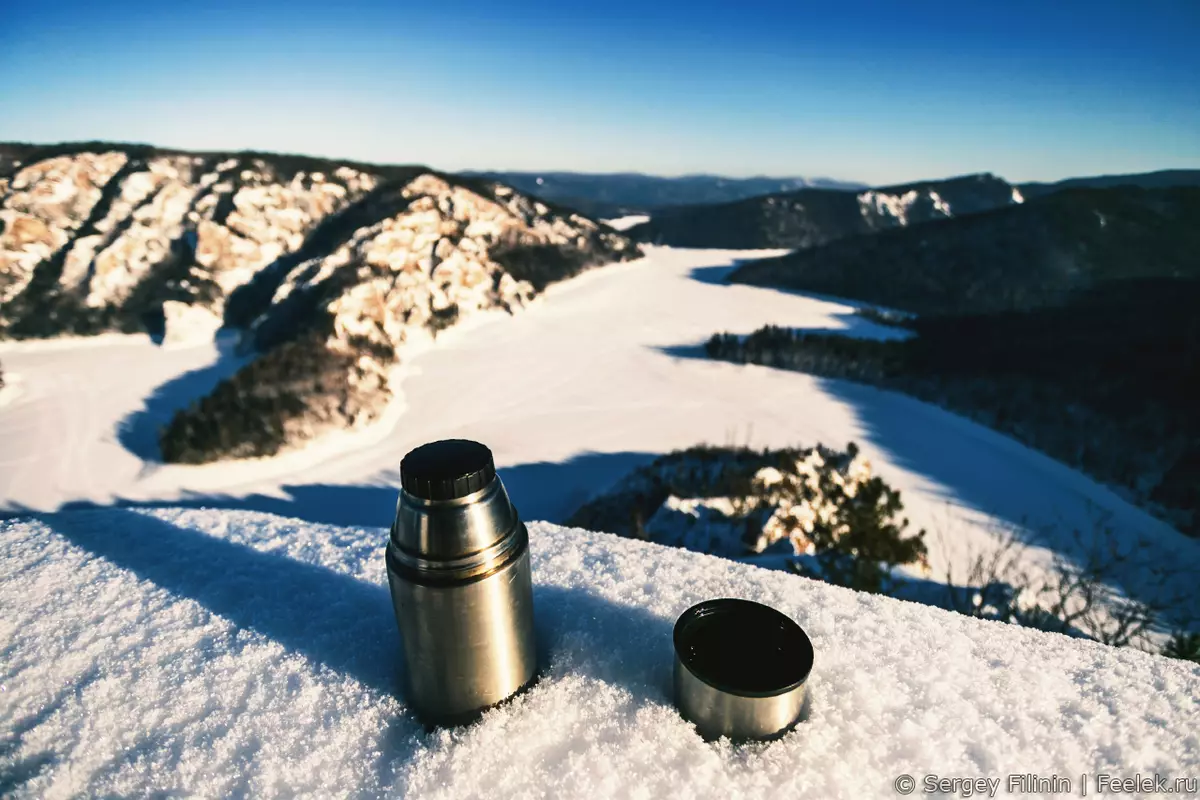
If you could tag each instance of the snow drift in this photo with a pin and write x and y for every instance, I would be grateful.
(236, 653)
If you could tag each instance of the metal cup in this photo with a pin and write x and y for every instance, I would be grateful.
(459, 572)
(741, 669)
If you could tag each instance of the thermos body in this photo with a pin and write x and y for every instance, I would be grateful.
(459, 572)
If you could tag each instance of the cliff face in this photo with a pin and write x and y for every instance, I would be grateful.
(326, 267)
(131, 239)
(812, 217)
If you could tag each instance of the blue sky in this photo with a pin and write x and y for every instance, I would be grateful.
(878, 92)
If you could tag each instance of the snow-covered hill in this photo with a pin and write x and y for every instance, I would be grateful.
(212, 654)
(810, 217)
(327, 267)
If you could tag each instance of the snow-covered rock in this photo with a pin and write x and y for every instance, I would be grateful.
(342, 264)
(883, 210)
(409, 260)
(116, 233)
(187, 323)
(626, 222)
(210, 654)
(43, 205)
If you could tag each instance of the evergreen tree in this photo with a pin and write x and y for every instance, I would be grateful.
(1183, 645)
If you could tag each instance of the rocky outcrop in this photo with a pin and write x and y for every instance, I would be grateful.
(812, 217)
(326, 267)
(100, 239)
(411, 258)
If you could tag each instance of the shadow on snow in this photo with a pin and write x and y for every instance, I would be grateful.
(345, 624)
(541, 490)
(138, 431)
(1032, 502)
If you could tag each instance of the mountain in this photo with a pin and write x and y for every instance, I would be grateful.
(621, 194)
(326, 267)
(1146, 180)
(1019, 257)
(811, 217)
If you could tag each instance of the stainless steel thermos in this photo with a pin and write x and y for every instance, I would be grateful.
(458, 568)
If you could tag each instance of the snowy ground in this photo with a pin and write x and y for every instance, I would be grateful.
(625, 223)
(214, 654)
(603, 373)
(11, 389)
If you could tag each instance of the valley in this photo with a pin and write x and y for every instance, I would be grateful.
(598, 376)
(289, 369)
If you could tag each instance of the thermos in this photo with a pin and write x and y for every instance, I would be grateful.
(458, 568)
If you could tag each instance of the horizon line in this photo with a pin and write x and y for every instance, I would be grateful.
(118, 143)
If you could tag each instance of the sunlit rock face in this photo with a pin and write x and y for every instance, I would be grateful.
(95, 241)
(327, 269)
(409, 260)
(44, 205)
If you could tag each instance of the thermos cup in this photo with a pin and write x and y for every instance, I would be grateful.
(458, 568)
(741, 669)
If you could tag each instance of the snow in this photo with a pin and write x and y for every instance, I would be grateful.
(597, 376)
(188, 325)
(234, 652)
(880, 204)
(626, 222)
(939, 205)
(11, 390)
(209, 653)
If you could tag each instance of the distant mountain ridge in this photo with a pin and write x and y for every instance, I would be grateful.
(626, 193)
(812, 217)
(1018, 257)
(1161, 179)
(326, 267)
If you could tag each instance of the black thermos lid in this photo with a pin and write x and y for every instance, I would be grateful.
(447, 470)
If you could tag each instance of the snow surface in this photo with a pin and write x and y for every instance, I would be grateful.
(11, 389)
(599, 375)
(226, 653)
(627, 222)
